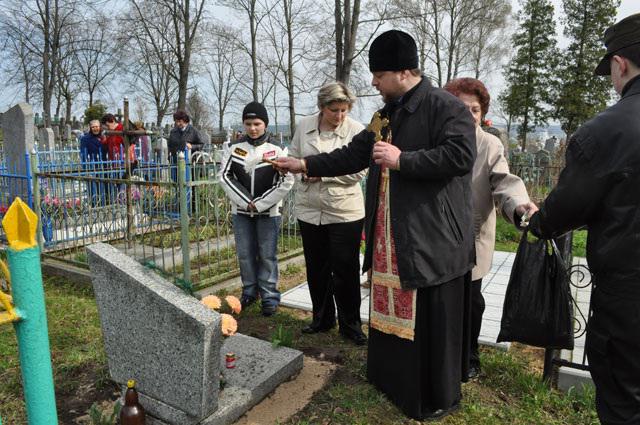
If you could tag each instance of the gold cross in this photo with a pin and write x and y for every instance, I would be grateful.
(376, 125)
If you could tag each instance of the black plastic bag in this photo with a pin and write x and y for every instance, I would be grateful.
(538, 307)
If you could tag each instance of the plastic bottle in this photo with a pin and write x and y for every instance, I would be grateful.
(132, 413)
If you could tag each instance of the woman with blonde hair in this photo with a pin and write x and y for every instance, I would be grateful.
(330, 212)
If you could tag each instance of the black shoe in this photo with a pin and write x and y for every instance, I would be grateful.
(474, 372)
(246, 301)
(310, 329)
(357, 338)
(270, 310)
(441, 413)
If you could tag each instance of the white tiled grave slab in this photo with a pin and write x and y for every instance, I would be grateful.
(494, 287)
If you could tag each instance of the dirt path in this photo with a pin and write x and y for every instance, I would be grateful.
(291, 396)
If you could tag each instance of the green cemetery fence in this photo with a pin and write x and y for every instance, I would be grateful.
(180, 228)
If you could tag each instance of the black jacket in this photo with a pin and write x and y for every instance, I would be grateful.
(430, 196)
(600, 188)
(178, 140)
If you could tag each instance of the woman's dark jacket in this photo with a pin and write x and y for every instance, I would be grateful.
(430, 196)
(178, 140)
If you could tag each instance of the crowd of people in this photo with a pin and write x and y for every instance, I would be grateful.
(434, 183)
(435, 178)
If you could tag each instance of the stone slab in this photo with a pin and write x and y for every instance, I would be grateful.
(156, 334)
(573, 378)
(260, 368)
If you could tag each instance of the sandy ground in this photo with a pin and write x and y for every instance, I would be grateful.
(290, 397)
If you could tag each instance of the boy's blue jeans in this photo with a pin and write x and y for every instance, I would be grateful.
(257, 245)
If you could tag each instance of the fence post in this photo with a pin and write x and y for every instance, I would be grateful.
(36, 197)
(184, 220)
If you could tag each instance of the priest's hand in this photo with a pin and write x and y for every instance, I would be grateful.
(290, 164)
(386, 154)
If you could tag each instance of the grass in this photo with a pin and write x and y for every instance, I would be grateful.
(76, 350)
(510, 390)
(508, 237)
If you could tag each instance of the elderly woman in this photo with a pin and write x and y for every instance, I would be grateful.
(492, 184)
(330, 212)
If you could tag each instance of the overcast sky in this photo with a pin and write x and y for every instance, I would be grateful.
(495, 84)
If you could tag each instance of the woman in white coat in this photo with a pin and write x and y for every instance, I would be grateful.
(492, 184)
(330, 212)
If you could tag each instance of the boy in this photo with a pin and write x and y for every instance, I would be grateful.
(256, 190)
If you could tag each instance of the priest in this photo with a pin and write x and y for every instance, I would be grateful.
(420, 149)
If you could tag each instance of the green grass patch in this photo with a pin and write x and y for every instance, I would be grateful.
(76, 348)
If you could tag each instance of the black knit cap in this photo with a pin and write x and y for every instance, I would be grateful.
(618, 36)
(393, 51)
(255, 110)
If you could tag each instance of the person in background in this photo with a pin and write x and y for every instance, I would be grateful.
(598, 188)
(183, 136)
(91, 142)
(112, 143)
(91, 152)
(330, 212)
(491, 184)
(143, 142)
(256, 190)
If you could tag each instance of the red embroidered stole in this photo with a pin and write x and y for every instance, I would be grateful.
(393, 309)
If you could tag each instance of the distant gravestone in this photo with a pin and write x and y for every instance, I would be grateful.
(206, 137)
(67, 132)
(172, 346)
(17, 127)
(47, 140)
(550, 144)
(56, 132)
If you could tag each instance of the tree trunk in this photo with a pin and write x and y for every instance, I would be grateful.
(290, 92)
(339, 33)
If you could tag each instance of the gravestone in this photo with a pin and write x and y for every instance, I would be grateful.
(47, 140)
(56, 132)
(172, 346)
(206, 138)
(550, 144)
(17, 127)
(67, 132)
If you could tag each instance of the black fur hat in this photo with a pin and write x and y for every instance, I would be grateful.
(393, 51)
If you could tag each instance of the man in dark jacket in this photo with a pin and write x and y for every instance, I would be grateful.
(599, 188)
(91, 142)
(420, 151)
(183, 136)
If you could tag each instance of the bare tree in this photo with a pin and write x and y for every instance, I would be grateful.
(453, 36)
(14, 50)
(288, 31)
(255, 12)
(40, 26)
(199, 111)
(180, 37)
(347, 21)
(225, 69)
(152, 66)
(68, 84)
(97, 53)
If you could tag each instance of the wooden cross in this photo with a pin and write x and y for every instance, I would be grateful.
(376, 125)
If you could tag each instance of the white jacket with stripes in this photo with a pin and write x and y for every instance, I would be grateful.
(246, 178)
